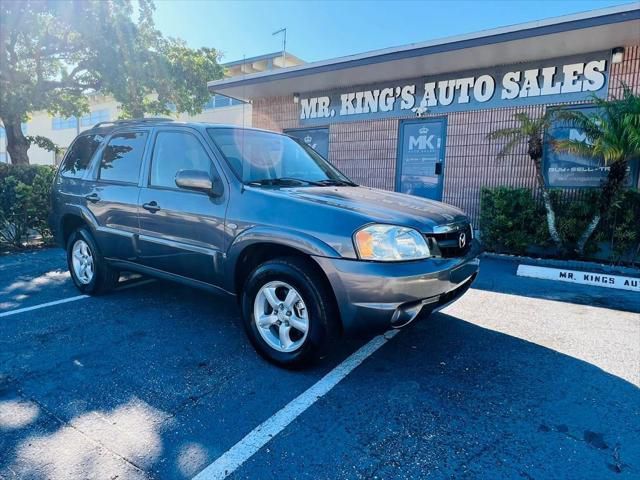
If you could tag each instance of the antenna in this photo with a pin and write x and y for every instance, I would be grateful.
(284, 45)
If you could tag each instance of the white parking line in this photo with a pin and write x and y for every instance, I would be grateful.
(42, 305)
(67, 300)
(233, 458)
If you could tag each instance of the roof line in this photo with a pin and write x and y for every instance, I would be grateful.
(256, 58)
(577, 21)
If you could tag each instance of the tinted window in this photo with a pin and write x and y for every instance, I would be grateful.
(175, 151)
(79, 156)
(122, 157)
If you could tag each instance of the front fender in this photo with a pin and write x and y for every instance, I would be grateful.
(300, 241)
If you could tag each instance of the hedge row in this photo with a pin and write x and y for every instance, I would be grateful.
(513, 221)
(24, 204)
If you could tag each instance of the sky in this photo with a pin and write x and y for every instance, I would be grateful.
(319, 30)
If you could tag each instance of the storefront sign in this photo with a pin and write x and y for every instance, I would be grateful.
(568, 170)
(564, 80)
(575, 276)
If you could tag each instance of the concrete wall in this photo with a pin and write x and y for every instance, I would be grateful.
(366, 150)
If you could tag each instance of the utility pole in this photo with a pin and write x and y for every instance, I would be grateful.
(284, 45)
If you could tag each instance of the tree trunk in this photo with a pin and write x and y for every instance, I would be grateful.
(17, 144)
(548, 206)
(586, 235)
(610, 190)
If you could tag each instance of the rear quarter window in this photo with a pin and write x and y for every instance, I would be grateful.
(79, 156)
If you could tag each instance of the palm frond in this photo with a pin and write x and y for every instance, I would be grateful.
(508, 147)
(589, 124)
(575, 147)
(505, 133)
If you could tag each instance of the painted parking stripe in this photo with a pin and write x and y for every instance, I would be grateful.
(233, 458)
(69, 299)
(43, 305)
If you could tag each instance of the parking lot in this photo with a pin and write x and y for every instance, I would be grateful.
(521, 378)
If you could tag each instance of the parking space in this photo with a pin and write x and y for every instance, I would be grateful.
(522, 378)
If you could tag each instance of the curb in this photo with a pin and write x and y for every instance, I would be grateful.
(587, 267)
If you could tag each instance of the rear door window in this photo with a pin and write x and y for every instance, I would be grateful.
(77, 160)
(122, 157)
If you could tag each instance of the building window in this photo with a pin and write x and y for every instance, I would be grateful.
(59, 123)
(220, 101)
(97, 116)
(567, 170)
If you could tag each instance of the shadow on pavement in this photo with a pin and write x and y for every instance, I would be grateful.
(157, 380)
(160, 380)
(448, 399)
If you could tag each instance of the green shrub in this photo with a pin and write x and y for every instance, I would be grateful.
(24, 203)
(620, 229)
(511, 221)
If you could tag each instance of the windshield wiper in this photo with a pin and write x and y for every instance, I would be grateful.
(336, 182)
(281, 181)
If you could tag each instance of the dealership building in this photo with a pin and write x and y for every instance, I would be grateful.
(415, 118)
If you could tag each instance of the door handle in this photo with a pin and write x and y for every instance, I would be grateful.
(153, 207)
(93, 197)
(438, 168)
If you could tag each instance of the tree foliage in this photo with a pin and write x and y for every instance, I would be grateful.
(52, 53)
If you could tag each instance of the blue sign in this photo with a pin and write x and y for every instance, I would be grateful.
(568, 79)
(316, 138)
(567, 170)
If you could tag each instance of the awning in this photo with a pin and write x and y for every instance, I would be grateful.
(593, 31)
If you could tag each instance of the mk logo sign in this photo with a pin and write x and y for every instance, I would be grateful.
(424, 141)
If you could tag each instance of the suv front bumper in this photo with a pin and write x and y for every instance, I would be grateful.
(377, 295)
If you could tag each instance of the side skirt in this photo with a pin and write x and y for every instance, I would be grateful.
(152, 272)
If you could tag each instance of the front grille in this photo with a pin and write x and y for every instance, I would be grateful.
(447, 245)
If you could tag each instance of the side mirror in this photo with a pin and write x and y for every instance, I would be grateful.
(200, 181)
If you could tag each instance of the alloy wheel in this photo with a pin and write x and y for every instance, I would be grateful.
(281, 316)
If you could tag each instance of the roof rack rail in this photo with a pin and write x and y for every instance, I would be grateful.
(133, 120)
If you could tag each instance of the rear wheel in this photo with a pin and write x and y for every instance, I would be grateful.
(288, 311)
(89, 271)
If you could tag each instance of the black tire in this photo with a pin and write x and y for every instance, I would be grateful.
(303, 276)
(105, 278)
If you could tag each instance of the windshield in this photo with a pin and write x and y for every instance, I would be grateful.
(271, 159)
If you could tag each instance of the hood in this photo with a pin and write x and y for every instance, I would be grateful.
(382, 206)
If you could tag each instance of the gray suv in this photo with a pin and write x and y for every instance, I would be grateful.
(262, 217)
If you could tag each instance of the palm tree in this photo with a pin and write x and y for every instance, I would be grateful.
(531, 130)
(612, 133)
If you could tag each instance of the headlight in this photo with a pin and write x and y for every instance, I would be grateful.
(388, 243)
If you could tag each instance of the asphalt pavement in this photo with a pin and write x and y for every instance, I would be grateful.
(521, 378)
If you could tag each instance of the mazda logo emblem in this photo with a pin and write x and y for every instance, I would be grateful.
(462, 240)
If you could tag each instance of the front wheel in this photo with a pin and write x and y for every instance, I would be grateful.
(289, 312)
